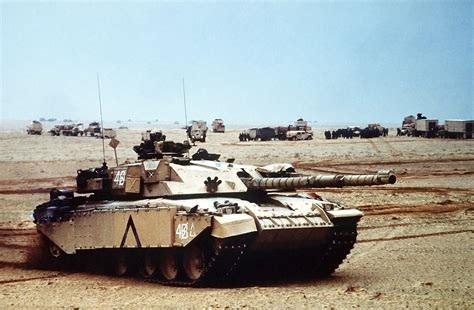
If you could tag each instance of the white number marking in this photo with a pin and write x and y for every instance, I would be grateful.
(182, 231)
(119, 178)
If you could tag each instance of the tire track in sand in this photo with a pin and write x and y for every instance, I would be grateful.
(440, 233)
(53, 276)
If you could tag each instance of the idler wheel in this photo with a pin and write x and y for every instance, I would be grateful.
(194, 262)
(149, 264)
(55, 251)
(169, 264)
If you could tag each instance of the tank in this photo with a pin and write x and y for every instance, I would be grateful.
(196, 221)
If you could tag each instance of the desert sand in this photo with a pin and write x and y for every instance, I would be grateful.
(415, 245)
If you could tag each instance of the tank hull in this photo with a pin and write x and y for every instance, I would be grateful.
(216, 232)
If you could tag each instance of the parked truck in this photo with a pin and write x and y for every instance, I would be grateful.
(109, 133)
(458, 129)
(218, 125)
(298, 135)
(197, 131)
(426, 128)
(67, 130)
(35, 128)
(300, 131)
(93, 129)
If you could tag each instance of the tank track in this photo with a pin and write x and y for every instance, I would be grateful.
(222, 263)
(227, 257)
(342, 241)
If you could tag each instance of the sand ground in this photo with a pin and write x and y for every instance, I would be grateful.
(415, 245)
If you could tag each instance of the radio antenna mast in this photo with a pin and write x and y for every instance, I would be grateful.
(185, 112)
(101, 120)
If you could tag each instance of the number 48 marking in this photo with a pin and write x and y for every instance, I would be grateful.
(183, 231)
(119, 178)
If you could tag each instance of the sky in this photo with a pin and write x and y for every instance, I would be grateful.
(244, 62)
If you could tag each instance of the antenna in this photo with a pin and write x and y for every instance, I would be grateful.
(185, 113)
(101, 121)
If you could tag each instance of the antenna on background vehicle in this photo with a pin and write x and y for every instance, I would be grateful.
(185, 112)
(101, 120)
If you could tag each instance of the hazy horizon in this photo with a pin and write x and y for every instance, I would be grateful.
(247, 63)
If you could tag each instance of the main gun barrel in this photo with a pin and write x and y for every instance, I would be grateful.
(321, 181)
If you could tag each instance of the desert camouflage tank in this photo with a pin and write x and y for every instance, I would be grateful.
(193, 221)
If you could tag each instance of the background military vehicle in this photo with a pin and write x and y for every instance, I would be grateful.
(299, 131)
(265, 134)
(426, 128)
(35, 128)
(67, 130)
(218, 125)
(93, 129)
(154, 145)
(298, 135)
(301, 124)
(252, 134)
(280, 132)
(191, 221)
(197, 131)
(459, 129)
(408, 125)
(56, 130)
(109, 133)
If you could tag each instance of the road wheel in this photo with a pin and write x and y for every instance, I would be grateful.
(194, 262)
(149, 264)
(169, 264)
(120, 264)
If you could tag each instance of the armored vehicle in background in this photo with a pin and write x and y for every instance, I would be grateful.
(35, 128)
(93, 130)
(192, 221)
(56, 130)
(109, 133)
(300, 131)
(155, 146)
(218, 125)
(67, 130)
(298, 135)
(197, 131)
